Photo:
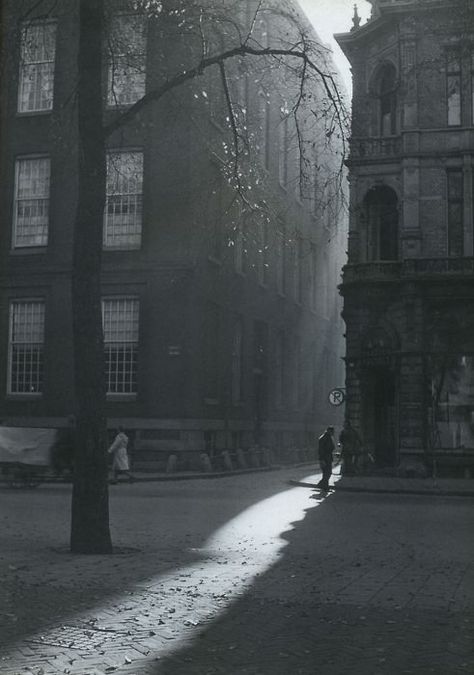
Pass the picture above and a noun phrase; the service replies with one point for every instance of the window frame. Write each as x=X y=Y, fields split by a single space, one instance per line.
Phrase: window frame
x=44 y=236
x=40 y=302
x=132 y=376
x=138 y=222
x=112 y=99
x=454 y=73
x=22 y=67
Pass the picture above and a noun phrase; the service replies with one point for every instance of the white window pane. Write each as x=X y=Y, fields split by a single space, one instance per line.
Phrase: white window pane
x=124 y=202
x=120 y=321
x=26 y=358
x=127 y=60
x=31 y=214
x=35 y=91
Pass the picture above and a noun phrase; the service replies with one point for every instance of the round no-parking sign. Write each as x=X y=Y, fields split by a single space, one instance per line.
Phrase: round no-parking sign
x=337 y=396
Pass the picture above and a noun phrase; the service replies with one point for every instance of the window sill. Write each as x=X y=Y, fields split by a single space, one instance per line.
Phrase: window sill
x=118 y=398
x=24 y=396
x=29 y=250
x=34 y=113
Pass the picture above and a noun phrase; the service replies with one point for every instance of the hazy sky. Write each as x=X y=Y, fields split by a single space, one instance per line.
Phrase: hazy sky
x=335 y=16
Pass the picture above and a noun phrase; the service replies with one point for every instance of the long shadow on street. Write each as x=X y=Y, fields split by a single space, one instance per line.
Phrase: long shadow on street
x=366 y=584
x=156 y=528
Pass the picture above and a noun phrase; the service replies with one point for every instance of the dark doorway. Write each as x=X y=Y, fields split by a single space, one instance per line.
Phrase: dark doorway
x=380 y=417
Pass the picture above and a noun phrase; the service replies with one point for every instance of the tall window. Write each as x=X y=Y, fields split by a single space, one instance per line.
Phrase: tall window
x=120 y=322
x=126 y=60
x=26 y=349
x=455 y=213
x=279 y=369
x=211 y=336
x=264 y=144
x=312 y=281
x=293 y=373
x=388 y=102
x=31 y=208
x=283 y=133
x=124 y=199
x=453 y=87
x=238 y=248
x=237 y=361
x=472 y=86
x=299 y=269
x=37 y=52
x=262 y=252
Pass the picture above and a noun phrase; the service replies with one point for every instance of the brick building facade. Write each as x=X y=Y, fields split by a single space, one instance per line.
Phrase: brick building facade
x=221 y=322
x=408 y=286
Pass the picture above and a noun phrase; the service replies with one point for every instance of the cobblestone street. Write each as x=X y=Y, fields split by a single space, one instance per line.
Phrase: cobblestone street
x=243 y=574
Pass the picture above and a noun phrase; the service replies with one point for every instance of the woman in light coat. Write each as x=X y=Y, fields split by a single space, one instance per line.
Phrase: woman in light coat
x=120 y=463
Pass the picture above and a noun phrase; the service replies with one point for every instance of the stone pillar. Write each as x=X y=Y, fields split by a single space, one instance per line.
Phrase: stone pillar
x=409 y=213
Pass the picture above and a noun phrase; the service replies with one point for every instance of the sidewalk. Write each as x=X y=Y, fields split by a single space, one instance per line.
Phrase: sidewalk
x=450 y=487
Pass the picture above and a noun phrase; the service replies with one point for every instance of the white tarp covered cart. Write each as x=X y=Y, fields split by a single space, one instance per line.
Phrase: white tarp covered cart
x=25 y=454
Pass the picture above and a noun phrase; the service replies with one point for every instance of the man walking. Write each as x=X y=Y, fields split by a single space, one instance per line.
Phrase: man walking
x=325 y=450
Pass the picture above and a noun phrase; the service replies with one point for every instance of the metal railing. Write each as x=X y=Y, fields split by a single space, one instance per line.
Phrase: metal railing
x=370 y=147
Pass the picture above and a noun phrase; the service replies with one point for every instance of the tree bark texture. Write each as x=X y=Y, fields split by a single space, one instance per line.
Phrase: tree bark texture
x=90 y=511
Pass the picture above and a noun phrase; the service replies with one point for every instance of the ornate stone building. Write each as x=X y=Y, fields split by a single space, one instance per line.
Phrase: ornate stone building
x=408 y=286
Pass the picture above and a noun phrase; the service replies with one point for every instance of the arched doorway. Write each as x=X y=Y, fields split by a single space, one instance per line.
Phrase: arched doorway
x=381 y=218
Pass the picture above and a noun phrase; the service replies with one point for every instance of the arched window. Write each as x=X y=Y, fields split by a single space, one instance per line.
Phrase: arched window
x=381 y=223
x=388 y=100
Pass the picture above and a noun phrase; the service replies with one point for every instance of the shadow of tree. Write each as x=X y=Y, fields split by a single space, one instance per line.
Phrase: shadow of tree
x=157 y=528
x=330 y=604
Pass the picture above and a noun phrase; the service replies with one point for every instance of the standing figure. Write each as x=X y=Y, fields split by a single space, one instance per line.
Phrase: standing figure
x=325 y=450
x=351 y=448
x=120 y=463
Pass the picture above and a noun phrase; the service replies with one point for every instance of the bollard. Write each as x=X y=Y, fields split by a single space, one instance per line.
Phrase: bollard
x=171 y=464
x=205 y=462
x=241 y=461
x=227 y=461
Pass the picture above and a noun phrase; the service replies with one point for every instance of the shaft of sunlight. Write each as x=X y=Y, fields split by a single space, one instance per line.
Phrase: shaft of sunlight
x=245 y=547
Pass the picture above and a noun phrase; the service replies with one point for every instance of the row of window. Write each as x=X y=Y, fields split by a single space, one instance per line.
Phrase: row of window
x=126 y=51
x=456 y=85
x=121 y=338
x=123 y=208
x=27 y=337
x=123 y=215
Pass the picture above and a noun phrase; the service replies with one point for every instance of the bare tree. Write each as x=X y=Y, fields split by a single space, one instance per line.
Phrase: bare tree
x=214 y=34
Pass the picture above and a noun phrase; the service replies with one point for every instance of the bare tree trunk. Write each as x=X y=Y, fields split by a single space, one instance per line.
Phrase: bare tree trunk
x=90 y=511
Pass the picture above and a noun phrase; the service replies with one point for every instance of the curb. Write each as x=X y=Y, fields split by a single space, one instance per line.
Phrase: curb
x=407 y=491
x=152 y=478
x=392 y=491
